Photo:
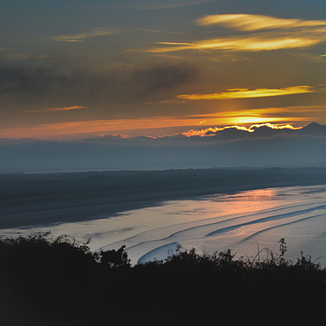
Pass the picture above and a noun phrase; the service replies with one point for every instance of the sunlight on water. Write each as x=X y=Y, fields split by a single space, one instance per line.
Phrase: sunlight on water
x=242 y=222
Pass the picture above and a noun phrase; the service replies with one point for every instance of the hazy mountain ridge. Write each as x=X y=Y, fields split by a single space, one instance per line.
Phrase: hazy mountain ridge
x=265 y=147
x=227 y=134
x=232 y=133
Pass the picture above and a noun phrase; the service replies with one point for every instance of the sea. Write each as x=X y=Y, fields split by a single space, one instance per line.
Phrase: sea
x=249 y=223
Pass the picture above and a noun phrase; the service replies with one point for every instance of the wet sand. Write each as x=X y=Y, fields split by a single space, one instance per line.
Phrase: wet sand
x=44 y=199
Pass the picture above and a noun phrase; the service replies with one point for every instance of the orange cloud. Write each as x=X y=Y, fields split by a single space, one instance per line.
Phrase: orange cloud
x=246 y=93
x=249 y=44
x=80 y=129
x=273 y=34
x=244 y=22
x=83 y=129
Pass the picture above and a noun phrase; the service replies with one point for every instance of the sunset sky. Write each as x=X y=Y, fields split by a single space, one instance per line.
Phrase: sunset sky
x=74 y=69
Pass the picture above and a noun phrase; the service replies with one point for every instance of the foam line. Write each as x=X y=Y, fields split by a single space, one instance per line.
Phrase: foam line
x=196 y=225
x=280 y=225
x=230 y=228
x=155 y=253
x=267 y=219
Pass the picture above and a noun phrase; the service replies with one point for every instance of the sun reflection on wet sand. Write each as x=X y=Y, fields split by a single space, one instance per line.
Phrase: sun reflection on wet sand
x=237 y=221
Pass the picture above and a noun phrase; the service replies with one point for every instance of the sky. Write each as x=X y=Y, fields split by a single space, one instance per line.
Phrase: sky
x=76 y=69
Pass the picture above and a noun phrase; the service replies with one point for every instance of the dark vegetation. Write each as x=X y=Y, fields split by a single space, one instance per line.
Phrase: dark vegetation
x=46 y=281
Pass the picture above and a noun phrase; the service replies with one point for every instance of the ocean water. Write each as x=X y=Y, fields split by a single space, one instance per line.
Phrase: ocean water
x=245 y=222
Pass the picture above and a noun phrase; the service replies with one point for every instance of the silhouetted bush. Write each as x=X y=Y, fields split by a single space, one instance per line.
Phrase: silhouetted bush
x=114 y=258
x=45 y=281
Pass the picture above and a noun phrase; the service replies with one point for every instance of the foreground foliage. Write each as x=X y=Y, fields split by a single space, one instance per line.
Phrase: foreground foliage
x=45 y=281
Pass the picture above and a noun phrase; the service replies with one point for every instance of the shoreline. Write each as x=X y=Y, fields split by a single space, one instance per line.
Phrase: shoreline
x=137 y=193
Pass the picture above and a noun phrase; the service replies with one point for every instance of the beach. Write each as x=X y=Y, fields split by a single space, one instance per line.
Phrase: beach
x=151 y=219
x=46 y=198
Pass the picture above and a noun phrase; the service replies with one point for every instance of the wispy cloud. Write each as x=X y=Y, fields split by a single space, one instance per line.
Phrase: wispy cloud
x=247 y=93
x=148 y=30
x=154 y=31
x=262 y=33
x=27 y=56
x=244 y=22
x=179 y=4
x=80 y=129
x=100 y=31
x=157 y=6
x=67 y=108
x=251 y=44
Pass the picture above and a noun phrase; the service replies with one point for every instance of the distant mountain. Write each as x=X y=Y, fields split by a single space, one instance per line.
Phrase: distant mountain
x=232 y=133
x=266 y=131
x=264 y=147
x=314 y=129
x=227 y=134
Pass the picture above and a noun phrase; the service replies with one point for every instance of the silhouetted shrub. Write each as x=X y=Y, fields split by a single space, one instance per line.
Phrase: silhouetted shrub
x=46 y=281
x=114 y=258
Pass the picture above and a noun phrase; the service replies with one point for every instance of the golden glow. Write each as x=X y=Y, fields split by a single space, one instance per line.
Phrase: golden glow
x=275 y=126
x=246 y=93
x=83 y=129
x=255 y=44
x=252 y=44
x=212 y=131
x=253 y=119
x=245 y=22
x=81 y=37
x=254 y=116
